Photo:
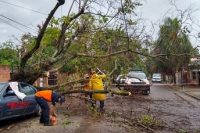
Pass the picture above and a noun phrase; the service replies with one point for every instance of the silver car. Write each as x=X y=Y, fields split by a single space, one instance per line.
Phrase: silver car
x=157 y=77
x=137 y=82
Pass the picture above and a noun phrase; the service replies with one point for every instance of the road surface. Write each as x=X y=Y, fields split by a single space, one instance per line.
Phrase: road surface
x=175 y=112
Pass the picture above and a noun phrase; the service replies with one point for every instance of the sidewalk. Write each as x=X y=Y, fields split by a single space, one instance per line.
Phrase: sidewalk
x=193 y=91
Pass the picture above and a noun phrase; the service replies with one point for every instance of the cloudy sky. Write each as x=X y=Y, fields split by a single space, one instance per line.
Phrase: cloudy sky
x=155 y=11
x=27 y=14
x=21 y=16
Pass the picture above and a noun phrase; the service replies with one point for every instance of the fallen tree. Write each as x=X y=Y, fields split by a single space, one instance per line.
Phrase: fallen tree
x=112 y=92
x=72 y=91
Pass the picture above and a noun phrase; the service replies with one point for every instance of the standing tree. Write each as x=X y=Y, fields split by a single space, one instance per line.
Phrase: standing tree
x=174 y=46
x=8 y=54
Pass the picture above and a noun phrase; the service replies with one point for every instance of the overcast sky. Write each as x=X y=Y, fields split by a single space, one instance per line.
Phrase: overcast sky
x=152 y=11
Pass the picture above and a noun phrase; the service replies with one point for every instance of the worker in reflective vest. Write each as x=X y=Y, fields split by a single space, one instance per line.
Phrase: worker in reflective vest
x=42 y=98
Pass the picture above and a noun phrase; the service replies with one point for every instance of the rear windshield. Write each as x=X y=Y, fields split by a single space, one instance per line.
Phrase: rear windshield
x=139 y=75
x=157 y=75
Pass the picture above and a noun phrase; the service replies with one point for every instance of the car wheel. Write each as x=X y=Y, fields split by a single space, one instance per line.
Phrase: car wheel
x=146 y=92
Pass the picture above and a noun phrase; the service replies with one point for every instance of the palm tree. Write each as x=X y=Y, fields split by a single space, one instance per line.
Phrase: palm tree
x=173 y=43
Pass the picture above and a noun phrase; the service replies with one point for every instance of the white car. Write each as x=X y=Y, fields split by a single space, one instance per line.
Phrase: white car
x=156 y=77
x=136 y=81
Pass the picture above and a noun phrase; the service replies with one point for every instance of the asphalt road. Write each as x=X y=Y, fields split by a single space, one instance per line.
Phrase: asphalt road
x=162 y=92
x=165 y=92
x=176 y=107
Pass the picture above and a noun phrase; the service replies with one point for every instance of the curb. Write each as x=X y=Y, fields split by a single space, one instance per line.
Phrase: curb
x=184 y=92
x=190 y=95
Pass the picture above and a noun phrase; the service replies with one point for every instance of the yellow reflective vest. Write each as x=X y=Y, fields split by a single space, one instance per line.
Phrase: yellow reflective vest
x=96 y=83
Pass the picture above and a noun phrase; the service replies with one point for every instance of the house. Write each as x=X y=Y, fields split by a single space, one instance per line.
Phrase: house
x=4 y=73
x=194 y=71
x=50 y=78
x=189 y=75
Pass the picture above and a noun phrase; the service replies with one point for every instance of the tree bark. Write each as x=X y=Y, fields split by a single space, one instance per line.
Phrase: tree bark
x=29 y=54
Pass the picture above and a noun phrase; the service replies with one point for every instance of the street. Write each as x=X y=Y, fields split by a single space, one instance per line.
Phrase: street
x=177 y=108
x=172 y=111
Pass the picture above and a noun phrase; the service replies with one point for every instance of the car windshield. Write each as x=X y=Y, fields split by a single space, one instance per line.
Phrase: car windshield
x=157 y=75
x=139 y=75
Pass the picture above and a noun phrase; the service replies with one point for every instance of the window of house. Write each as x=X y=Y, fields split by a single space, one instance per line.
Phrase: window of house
x=52 y=79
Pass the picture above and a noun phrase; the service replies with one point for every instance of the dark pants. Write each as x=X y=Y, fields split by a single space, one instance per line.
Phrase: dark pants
x=101 y=104
x=90 y=100
x=90 y=95
x=44 y=118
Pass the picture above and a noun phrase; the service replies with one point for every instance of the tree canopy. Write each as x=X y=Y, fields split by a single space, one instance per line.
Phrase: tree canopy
x=173 y=46
x=9 y=54
x=87 y=37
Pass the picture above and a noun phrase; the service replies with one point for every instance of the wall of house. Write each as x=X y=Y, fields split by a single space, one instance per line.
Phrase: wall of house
x=194 y=78
x=41 y=82
x=178 y=78
x=4 y=73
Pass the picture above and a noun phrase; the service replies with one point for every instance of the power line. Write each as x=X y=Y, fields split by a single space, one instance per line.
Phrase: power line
x=15 y=22
x=23 y=7
x=6 y=22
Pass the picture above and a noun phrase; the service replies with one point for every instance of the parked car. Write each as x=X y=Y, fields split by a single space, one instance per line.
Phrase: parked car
x=137 y=82
x=156 y=77
x=11 y=106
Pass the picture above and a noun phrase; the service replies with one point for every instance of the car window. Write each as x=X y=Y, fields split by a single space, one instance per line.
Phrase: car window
x=157 y=75
x=27 y=89
x=9 y=92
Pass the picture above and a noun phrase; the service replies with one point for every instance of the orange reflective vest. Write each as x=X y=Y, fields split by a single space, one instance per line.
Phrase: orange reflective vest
x=46 y=94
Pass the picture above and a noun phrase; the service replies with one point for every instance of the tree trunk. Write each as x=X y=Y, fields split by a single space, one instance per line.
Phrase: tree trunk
x=174 y=77
x=112 y=92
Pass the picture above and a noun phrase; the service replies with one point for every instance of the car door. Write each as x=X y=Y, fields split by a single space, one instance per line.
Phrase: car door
x=29 y=91
x=1 y=103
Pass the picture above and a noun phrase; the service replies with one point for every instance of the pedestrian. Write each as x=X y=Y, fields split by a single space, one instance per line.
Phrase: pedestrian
x=42 y=98
x=96 y=83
